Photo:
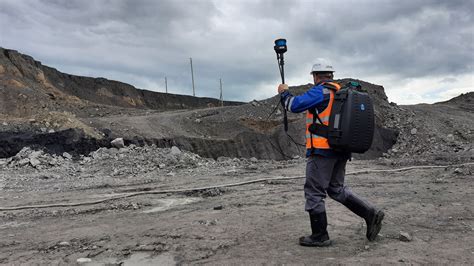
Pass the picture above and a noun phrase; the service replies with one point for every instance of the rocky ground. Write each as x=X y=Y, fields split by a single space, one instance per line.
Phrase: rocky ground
x=428 y=211
x=440 y=132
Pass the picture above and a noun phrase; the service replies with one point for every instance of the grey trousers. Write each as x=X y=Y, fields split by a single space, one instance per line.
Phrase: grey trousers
x=323 y=175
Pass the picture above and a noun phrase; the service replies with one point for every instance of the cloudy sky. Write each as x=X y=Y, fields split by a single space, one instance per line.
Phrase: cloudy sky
x=420 y=51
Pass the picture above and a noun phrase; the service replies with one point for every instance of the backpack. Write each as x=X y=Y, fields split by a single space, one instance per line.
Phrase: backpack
x=351 y=121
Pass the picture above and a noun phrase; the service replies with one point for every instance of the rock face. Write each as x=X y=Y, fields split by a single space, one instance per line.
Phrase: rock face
x=70 y=140
x=27 y=83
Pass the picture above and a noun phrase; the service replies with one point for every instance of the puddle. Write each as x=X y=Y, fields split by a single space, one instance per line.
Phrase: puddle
x=147 y=259
x=108 y=195
x=12 y=224
x=166 y=204
x=140 y=258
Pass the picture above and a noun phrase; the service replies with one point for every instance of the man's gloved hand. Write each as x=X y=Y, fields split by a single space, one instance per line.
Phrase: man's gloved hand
x=282 y=88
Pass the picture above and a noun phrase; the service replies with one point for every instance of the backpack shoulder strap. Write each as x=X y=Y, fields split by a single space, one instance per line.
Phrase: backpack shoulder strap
x=334 y=86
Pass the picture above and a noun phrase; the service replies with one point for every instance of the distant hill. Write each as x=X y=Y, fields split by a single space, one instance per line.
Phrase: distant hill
x=464 y=101
x=28 y=87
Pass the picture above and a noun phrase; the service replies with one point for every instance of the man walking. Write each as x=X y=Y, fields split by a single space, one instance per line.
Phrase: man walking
x=325 y=168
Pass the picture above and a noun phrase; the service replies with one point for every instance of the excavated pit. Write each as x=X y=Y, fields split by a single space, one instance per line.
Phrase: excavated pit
x=245 y=145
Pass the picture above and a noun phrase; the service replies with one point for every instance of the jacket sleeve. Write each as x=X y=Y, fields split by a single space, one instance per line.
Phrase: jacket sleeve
x=308 y=100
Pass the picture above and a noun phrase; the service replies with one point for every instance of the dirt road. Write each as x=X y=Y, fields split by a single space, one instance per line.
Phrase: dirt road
x=250 y=224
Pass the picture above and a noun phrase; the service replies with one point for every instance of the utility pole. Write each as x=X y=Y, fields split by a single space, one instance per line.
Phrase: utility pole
x=166 y=84
x=192 y=75
x=221 y=98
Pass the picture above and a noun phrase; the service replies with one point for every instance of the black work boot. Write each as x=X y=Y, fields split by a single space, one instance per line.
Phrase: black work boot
x=319 y=236
x=373 y=217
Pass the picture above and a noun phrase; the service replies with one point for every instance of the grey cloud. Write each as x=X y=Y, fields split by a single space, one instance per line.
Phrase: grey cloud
x=448 y=80
x=142 y=41
x=411 y=38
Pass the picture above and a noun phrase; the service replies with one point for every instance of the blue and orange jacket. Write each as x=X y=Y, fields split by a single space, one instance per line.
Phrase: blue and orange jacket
x=320 y=99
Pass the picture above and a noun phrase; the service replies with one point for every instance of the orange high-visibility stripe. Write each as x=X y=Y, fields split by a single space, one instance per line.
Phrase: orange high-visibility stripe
x=315 y=141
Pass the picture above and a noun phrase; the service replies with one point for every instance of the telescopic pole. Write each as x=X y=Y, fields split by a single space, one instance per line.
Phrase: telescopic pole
x=280 y=48
x=281 y=63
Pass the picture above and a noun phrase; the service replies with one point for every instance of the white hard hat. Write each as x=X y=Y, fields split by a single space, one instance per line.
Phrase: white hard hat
x=322 y=66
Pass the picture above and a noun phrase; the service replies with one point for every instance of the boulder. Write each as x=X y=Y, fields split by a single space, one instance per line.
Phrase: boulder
x=450 y=137
x=175 y=150
x=83 y=260
x=405 y=237
x=67 y=156
x=35 y=162
x=118 y=143
x=64 y=244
